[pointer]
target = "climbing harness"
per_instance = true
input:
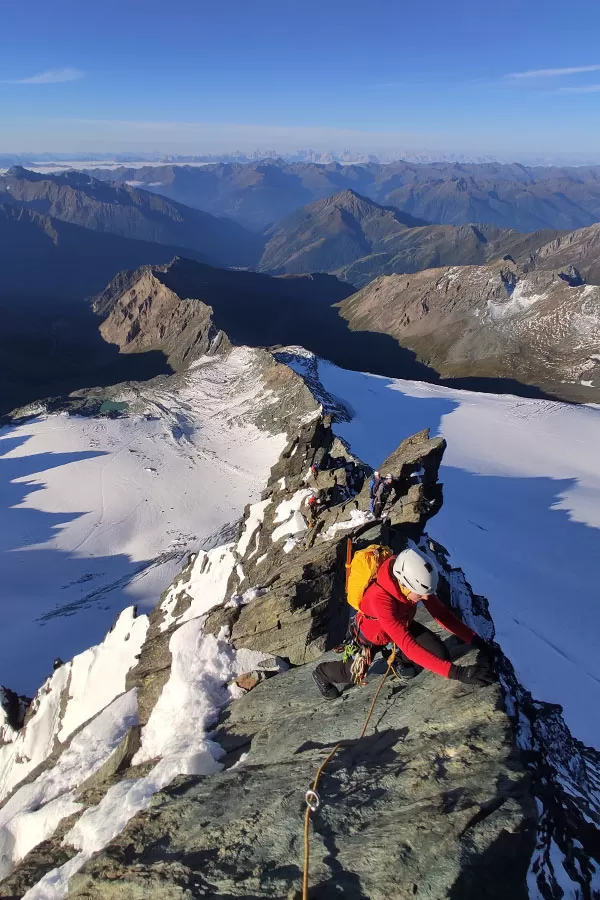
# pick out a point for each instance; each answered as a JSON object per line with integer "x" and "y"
{"x": 312, "y": 798}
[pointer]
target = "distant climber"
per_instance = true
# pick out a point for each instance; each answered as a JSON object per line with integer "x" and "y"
{"x": 373, "y": 485}
{"x": 386, "y": 615}
{"x": 315, "y": 504}
{"x": 58, "y": 662}
{"x": 314, "y": 471}
{"x": 382, "y": 495}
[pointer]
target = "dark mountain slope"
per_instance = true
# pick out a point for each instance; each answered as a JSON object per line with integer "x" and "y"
{"x": 125, "y": 211}
{"x": 49, "y": 339}
{"x": 509, "y": 196}
{"x": 42, "y": 256}
{"x": 331, "y": 233}
{"x": 359, "y": 240}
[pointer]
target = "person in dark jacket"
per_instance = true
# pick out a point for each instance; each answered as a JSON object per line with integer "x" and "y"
{"x": 382, "y": 495}
{"x": 386, "y": 615}
{"x": 373, "y": 485}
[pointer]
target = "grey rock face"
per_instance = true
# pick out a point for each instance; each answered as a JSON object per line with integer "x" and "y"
{"x": 13, "y": 709}
{"x": 431, "y": 803}
{"x": 301, "y": 609}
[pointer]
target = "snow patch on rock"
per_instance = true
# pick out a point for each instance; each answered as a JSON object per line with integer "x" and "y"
{"x": 521, "y": 299}
{"x": 98, "y": 675}
{"x": 289, "y": 515}
{"x": 206, "y": 585}
{"x": 34, "y": 810}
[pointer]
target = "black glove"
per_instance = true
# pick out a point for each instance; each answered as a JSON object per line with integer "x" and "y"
{"x": 484, "y": 647}
{"x": 477, "y": 675}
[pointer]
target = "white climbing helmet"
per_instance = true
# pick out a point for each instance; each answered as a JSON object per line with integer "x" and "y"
{"x": 416, "y": 572}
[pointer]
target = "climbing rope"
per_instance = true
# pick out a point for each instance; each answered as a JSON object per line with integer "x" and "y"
{"x": 313, "y": 801}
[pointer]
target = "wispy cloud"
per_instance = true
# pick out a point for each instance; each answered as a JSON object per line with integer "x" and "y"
{"x": 554, "y": 73}
{"x": 582, "y": 89}
{"x": 55, "y": 76}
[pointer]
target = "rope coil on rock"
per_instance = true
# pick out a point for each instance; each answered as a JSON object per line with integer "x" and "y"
{"x": 312, "y": 798}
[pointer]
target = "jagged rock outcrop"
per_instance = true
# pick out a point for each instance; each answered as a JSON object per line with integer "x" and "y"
{"x": 149, "y": 316}
{"x": 13, "y": 709}
{"x": 185, "y": 308}
{"x": 299, "y": 570}
{"x": 580, "y": 249}
{"x": 497, "y": 321}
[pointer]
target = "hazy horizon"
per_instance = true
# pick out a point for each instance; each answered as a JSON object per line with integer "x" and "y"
{"x": 56, "y": 159}
{"x": 509, "y": 83}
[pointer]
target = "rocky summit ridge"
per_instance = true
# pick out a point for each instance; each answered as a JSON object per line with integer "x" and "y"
{"x": 215, "y": 731}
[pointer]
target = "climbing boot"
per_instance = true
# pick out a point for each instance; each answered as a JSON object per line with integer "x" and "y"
{"x": 404, "y": 669}
{"x": 326, "y": 688}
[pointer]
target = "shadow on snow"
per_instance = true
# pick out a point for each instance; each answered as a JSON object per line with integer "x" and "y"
{"x": 54, "y": 602}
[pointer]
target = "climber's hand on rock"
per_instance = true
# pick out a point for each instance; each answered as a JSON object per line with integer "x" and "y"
{"x": 485, "y": 647}
{"x": 477, "y": 675}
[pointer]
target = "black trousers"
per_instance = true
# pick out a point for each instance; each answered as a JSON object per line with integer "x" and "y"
{"x": 340, "y": 672}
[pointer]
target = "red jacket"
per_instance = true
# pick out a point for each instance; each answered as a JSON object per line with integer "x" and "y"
{"x": 391, "y": 614}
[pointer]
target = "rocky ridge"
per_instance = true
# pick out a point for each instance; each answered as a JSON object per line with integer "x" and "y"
{"x": 149, "y": 316}
{"x": 430, "y": 804}
{"x": 579, "y": 248}
{"x": 538, "y": 327}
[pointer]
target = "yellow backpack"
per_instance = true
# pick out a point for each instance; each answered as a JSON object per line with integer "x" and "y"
{"x": 361, "y": 570}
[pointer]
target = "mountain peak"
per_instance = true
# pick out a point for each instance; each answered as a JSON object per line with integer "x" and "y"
{"x": 22, "y": 173}
{"x": 362, "y": 207}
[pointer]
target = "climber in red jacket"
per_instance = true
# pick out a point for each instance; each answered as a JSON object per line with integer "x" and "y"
{"x": 387, "y": 612}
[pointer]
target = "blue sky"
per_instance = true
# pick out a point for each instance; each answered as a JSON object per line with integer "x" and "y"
{"x": 192, "y": 76}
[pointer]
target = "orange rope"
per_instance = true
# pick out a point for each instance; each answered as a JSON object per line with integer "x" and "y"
{"x": 327, "y": 759}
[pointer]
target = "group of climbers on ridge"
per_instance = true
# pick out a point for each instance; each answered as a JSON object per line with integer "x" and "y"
{"x": 336, "y": 487}
{"x": 386, "y": 616}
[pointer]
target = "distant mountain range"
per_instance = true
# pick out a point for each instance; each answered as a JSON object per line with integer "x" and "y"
{"x": 259, "y": 194}
{"x": 121, "y": 210}
{"x": 358, "y": 240}
{"x": 64, "y": 237}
